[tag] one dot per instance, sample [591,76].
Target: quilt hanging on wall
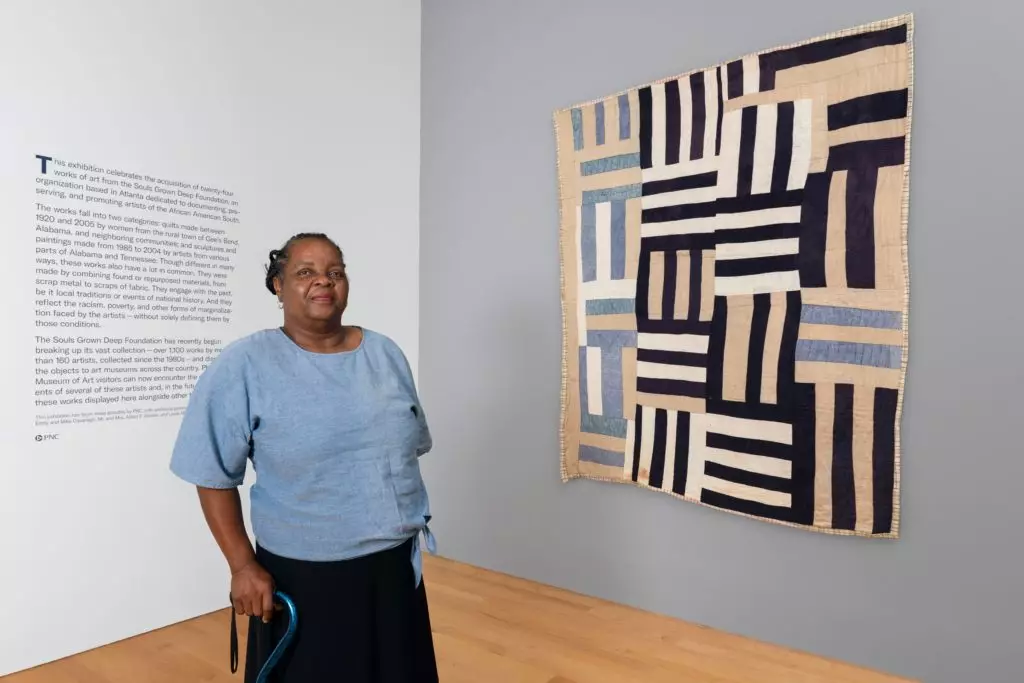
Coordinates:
[735,284]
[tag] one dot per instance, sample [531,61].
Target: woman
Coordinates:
[329,416]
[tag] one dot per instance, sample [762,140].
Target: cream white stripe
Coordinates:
[778,432]
[694,196]
[764,283]
[594,403]
[687,373]
[646,440]
[658,125]
[728,170]
[764,148]
[753,219]
[603,213]
[607,289]
[711,111]
[800,163]
[779,247]
[581,304]
[760,464]
[751,74]
[695,461]
[685,118]
[744,492]
[668,478]
[691,343]
[685,167]
[688,226]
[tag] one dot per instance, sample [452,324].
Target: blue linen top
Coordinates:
[334,440]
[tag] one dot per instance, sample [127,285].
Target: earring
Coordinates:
[280,304]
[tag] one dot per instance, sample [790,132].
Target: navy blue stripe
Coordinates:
[883,460]
[735,444]
[747,507]
[757,234]
[646,124]
[867,153]
[697,360]
[823,50]
[755,479]
[844,497]
[755,266]
[670,387]
[699,115]
[883,106]
[672,122]
[689,182]
[679,212]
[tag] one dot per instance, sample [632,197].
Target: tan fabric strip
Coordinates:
[857,63]
[772,348]
[593,469]
[590,128]
[824,424]
[869,81]
[871,299]
[569,191]
[707,286]
[611,120]
[737,347]
[629,383]
[844,333]
[682,301]
[611,147]
[889,228]
[608,443]
[875,130]
[684,404]
[863,445]
[835,232]
[812,372]
[602,181]
[618,321]
[656,288]
[633,208]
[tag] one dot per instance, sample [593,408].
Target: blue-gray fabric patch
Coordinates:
[850,317]
[873,355]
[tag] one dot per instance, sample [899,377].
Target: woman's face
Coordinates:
[313,285]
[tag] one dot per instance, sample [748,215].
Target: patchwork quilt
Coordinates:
[735,284]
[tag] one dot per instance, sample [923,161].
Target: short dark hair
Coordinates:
[278,257]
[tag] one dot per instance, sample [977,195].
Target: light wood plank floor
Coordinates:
[495,629]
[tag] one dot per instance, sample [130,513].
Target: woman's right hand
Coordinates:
[252,592]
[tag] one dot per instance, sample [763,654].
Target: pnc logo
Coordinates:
[47,437]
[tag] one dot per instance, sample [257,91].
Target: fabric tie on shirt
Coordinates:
[417,552]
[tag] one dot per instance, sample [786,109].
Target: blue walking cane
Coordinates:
[279,649]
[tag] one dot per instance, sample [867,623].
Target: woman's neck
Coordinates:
[327,338]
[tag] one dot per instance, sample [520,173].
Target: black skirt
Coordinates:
[359,621]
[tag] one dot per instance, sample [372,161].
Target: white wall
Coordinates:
[308,111]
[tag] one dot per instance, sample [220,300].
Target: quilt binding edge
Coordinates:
[894,533]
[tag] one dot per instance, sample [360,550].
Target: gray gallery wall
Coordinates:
[945,603]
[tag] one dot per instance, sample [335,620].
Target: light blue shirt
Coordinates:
[334,440]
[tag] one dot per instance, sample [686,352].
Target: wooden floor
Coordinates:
[491,628]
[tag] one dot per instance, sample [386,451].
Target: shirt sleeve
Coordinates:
[213,443]
[426,441]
